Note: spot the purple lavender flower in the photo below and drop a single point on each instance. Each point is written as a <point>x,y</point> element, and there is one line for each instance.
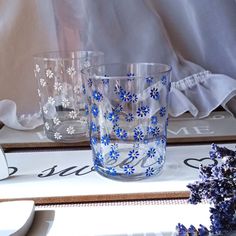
<point>181,230</point>
<point>203,231</point>
<point>217,185</point>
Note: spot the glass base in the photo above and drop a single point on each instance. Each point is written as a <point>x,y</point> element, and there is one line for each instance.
<point>68,131</point>
<point>129,161</point>
<point>68,138</point>
<point>127,178</point>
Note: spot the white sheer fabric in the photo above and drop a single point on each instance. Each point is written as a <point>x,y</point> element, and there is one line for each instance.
<point>197,38</point>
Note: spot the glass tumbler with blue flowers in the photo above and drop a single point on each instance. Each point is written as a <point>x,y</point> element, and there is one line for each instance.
<point>128,117</point>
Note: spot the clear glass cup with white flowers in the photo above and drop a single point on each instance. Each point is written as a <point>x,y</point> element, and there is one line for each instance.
<point>61,95</point>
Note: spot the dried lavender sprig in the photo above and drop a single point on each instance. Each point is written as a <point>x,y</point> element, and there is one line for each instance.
<point>220,152</point>
<point>191,231</point>
<point>217,184</point>
<point>181,230</point>
<point>203,231</point>
<point>222,217</point>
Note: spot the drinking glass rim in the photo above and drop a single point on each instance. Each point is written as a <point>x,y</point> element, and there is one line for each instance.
<point>87,69</point>
<point>54,55</point>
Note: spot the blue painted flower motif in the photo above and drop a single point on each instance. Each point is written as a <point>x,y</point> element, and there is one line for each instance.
<point>160,160</point>
<point>86,109</point>
<point>99,157</point>
<point>129,117</point>
<point>164,80</point>
<point>167,122</point>
<point>97,96</point>
<point>169,86</point>
<point>151,152</point>
<point>149,130</point>
<point>94,110</point>
<point>83,89</point>
<point>138,134</point>
<point>154,120</point>
<point>111,171</point>
<point>105,81</point>
<point>130,74</point>
<point>149,80</point>
<point>133,154</point>
<point>113,154</point>
<point>143,111</point>
<point>162,111</point>
<point>114,146</point>
<point>125,96</point>
<point>93,127</point>
<point>90,82</point>
<point>117,108</point>
<point>115,127</point>
<point>155,94</point>
<point>129,170</point>
<point>93,140</point>
<point>118,89</point>
<point>97,163</point>
<point>158,142</point>
<point>98,160</point>
<point>145,141</point>
<point>149,171</point>
<point>113,117</point>
<point>163,140</point>
<point>130,79</point>
<point>105,139</point>
<point>146,109</point>
<point>121,133</point>
<point>134,98</point>
<point>155,132</point>
<point>89,99</point>
<point>105,115</point>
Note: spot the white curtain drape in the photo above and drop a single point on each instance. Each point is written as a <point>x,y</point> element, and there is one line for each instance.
<point>197,38</point>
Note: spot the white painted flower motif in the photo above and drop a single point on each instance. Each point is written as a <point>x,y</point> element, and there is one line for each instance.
<point>71,71</point>
<point>70,130</point>
<point>37,68</point>
<point>83,120</point>
<point>58,86</point>
<point>45,109</point>
<point>57,135</point>
<point>65,102</point>
<point>76,89</point>
<point>39,93</point>
<point>49,73</point>
<point>86,64</point>
<point>42,82</point>
<point>73,114</point>
<point>56,121</point>
<point>51,100</point>
<point>47,127</point>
